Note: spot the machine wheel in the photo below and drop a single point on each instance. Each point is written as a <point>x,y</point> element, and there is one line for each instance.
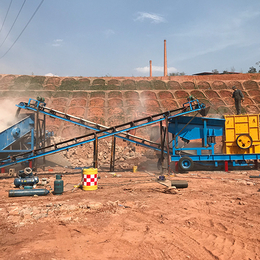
<point>185,164</point>
<point>244,141</point>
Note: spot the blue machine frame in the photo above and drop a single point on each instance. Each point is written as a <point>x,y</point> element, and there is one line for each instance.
<point>13,134</point>
<point>205,129</point>
<point>38,106</point>
<point>192,128</point>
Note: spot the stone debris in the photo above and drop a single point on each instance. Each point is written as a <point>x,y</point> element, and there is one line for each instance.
<point>25,214</point>
<point>125,153</point>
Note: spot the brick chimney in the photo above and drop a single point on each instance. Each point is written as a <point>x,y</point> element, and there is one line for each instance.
<point>165,59</point>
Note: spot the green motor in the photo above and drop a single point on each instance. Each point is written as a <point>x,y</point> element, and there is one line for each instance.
<point>41,99</point>
<point>190,98</point>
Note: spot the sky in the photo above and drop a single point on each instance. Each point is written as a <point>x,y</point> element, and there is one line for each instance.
<point>118,38</point>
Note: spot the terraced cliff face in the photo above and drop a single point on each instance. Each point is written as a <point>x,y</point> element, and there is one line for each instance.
<point>112,101</point>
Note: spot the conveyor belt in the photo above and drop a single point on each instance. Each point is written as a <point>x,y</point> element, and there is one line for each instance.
<point>117,130</point>
<point>35,105</point>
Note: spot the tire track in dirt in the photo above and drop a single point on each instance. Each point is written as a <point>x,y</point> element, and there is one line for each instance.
<point>221,242</point>
<point>145,242</point>
<point>217,233</point>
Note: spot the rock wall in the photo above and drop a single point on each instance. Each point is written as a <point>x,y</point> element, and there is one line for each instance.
<point>112,101</point>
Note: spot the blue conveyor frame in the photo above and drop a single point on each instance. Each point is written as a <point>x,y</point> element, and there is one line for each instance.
<point>38,106</point>
<point>14,133</point>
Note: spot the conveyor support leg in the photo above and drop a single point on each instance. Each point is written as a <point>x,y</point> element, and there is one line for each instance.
<point>176,167</point>
<point>256,164</point>
<point>226,166</point>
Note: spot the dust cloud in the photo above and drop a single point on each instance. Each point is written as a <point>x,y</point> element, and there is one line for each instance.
<point>7,114</point>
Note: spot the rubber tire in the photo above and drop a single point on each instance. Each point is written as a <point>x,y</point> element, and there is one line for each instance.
<point>180,184</point>
<point>183,167</point>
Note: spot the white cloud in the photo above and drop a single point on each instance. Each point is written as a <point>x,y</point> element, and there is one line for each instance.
<point>154,18</point>
<point>172,70</point>
<point>245,17</point>
<point>51,75</point>
<point>146,69</point>
<point>57,42</point>
<point>109,32</point>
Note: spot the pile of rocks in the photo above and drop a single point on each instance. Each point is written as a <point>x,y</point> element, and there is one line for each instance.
<point>21,215</point>
<point>126,154</point>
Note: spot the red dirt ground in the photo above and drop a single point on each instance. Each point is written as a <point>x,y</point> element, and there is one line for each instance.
<point>132,216</point>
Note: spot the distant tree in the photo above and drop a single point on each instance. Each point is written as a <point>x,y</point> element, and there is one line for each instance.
<point>252,70</point>
<point>232,69</point>
<point>215,71</point>
<point>177,74</point>
<point>258,63</point>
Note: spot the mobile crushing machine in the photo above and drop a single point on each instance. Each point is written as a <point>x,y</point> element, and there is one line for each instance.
<point>195,139</point>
